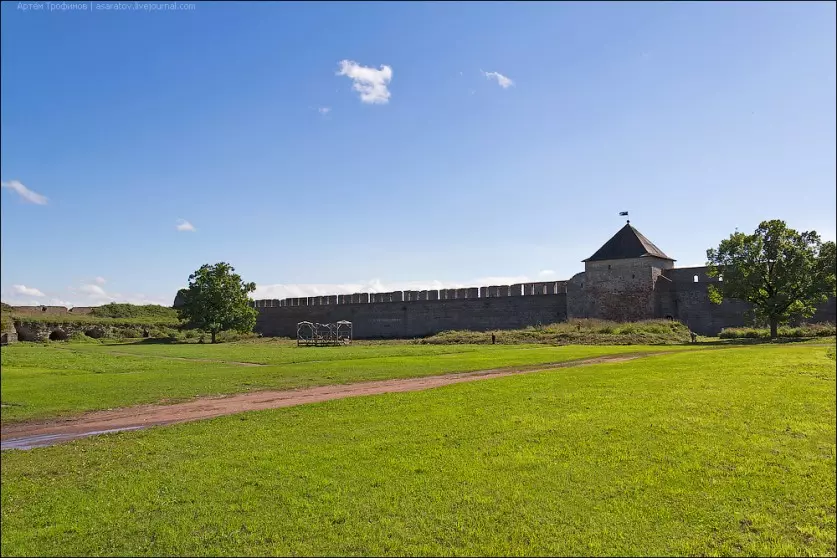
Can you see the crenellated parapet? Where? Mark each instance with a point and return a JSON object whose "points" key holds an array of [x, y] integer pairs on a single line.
{"points": [[468, 293]]}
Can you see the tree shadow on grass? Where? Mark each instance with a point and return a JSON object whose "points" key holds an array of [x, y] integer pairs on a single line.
{"points": [[154, 341]]}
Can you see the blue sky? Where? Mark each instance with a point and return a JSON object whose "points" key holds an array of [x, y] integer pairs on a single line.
{"points": [[463, 144]]}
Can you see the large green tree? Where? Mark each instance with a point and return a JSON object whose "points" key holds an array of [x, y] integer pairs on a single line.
{"points": [[216, 300], [779, 271]]}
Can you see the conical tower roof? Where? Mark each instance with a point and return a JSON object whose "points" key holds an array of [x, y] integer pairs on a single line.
{"points": [[627, 243]]}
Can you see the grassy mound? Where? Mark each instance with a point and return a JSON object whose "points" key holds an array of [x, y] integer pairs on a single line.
{"points": [[152, 311], [574, 332], [806, 330]]}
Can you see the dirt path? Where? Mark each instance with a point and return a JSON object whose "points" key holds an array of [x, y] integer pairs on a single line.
{"points": [[35, 434]]}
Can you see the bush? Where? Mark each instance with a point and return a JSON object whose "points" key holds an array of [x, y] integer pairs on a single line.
{"points": [[127, 332], [115, 310], [79, 337], [586, 331], [230, 336], [801, 331]]}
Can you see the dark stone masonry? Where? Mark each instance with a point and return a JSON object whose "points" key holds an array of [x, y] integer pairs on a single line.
{"points": [[627, 279]]}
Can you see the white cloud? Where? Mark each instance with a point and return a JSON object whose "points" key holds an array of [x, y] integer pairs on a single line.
{"points": [[24, 192], [546, 273], [324, 110], [94, 290], [504, 82], [94, 295], [100, 280], [184, 225], [28, 291], [280, 291], [369, 82], [85, 295]]}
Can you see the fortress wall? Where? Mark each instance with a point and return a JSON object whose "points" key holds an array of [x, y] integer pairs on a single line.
{"points": [[682, 275], [690, 305], [41, 309], [826, 312], [619, 290], [81, 309], [419, 318], [688, 302]]}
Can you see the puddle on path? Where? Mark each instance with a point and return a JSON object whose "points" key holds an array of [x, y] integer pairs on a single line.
{"points": [[41, 440]]}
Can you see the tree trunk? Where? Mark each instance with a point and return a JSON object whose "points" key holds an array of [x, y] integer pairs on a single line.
{"points": [[213, 335], [774, 326]]}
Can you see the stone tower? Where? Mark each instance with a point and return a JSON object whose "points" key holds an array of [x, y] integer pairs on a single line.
{"points": [[619, 280]]}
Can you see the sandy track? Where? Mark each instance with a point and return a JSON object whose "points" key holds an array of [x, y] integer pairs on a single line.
{"points": [[34, 434]]}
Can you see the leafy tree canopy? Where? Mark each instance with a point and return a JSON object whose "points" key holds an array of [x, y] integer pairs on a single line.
{"points": [[216, 300], [779, 271]]}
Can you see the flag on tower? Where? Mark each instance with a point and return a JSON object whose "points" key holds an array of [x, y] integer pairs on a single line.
{"points": [[623, 213]]}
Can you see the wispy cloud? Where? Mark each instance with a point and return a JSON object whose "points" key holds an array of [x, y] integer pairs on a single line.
{"points": [[24, 192], [184, 225], [280, 291], [94, 290], [100, 280], [88, 294], [502, 80], [27, 291], [546, 273], [369, 82], [324, 110]]}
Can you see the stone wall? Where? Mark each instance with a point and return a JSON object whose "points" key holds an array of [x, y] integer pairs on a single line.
{"points": [[40, 310], [620, 290], [41, 331], [419, 318], [685, 297]]}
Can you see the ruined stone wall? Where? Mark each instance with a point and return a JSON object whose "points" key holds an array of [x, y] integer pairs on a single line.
{"points": [[40, 310], [417, 313]]}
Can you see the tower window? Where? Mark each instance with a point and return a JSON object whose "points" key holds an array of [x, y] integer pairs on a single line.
{"points": [[696, 278]]}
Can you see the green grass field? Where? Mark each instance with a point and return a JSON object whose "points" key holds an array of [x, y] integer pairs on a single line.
{"points": [[717, 452], [40, 381]]}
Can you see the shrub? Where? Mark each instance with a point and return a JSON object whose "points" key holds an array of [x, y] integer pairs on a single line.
{"points": [[127, 332], [582, 331], [230, 336], [801, 331], [115, 310], [79, 337]]}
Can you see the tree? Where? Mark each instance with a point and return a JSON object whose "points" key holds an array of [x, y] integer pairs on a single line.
{"points": [[216, 300], [778, 270]]}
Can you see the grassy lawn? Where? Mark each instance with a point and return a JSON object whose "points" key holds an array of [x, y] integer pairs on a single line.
{"points": [[40, 381], [727, 452]]}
